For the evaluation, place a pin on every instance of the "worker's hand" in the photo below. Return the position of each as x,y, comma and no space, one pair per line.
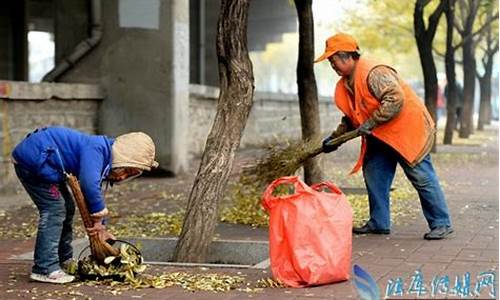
329,148
106,235
97,228
366,128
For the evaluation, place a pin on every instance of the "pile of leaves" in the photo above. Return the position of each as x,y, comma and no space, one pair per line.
244,206
192,282
127,269
270,283
125,266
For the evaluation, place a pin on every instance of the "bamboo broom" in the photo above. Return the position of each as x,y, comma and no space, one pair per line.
285,161
99,248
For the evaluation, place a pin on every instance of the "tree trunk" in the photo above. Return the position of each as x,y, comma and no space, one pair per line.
469,68
233,108
485,80
306,82
451,97
424,38
485,89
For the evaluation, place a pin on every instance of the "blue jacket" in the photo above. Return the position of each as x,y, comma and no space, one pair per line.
46,152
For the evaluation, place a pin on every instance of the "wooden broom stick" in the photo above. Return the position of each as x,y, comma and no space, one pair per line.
99,248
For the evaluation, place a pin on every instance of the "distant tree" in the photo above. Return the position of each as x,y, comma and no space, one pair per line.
424,37
467,27
233,107
391,42
306,82
451,97
489,49
468,12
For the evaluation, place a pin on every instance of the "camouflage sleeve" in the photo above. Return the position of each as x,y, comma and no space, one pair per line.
384,84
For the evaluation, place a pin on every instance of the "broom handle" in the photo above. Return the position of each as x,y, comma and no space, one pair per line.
337,141
80,200
99,249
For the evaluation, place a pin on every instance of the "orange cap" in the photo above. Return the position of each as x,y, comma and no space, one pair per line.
336,43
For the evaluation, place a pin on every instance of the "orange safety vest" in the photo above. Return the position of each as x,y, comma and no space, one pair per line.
410,133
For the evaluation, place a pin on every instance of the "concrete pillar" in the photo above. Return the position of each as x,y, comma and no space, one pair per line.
178,38
6,65
142,62
19,40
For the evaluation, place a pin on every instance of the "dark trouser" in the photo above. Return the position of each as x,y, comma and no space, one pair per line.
379,167
55,232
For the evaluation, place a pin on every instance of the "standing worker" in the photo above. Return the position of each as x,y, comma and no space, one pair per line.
395,127
40,161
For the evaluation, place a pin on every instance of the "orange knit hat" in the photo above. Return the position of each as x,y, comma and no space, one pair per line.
336,43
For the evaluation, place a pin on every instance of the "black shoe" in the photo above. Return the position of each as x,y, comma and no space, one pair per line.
367,229
438,233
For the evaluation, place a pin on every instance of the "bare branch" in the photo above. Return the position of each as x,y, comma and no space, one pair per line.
480,31
437,52
460,26
434,18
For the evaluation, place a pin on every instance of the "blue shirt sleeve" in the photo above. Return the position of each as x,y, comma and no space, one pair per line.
91,166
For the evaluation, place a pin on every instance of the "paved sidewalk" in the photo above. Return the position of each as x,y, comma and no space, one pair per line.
472,194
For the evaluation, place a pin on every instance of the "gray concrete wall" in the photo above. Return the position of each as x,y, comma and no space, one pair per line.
273,117
143,64
27,106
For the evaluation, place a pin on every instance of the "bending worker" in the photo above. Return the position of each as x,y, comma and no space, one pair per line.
395,127
40,161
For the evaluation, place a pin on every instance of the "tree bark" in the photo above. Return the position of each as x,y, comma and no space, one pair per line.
306,82
469,69
485,89
424,37
491,42
451,98
469,65
233,108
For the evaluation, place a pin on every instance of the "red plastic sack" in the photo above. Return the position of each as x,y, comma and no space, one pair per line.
310,233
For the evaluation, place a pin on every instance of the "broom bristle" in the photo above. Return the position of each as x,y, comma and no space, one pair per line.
280,162
100,249
285,161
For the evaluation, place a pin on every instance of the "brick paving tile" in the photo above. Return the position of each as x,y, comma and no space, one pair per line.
472,255
397,253
482,239
490,255
441,258
434,267
487,266
385,261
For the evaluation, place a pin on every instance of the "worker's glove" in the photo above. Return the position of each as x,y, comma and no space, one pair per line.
327,148
366,127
